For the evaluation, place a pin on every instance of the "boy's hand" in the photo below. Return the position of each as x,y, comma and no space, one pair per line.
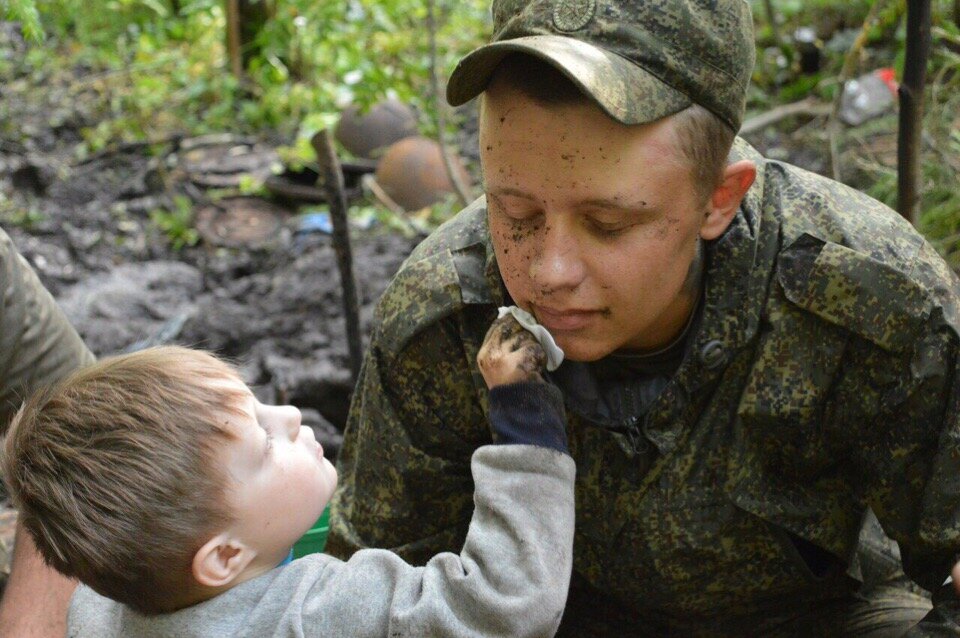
510,354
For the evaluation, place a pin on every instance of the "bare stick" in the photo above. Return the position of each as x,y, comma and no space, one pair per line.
369,181
331,180
233,38
911,109
461,189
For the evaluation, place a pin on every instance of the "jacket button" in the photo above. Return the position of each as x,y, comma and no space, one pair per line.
713,354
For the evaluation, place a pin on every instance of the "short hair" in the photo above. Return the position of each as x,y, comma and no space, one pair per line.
114,472
702,137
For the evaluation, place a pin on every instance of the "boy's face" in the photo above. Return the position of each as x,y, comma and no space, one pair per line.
279,481
595,224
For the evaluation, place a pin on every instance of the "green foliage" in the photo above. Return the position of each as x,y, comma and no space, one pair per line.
155,73
25,11
11,214
177,223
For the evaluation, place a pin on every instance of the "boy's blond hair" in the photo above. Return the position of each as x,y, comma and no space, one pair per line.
115,471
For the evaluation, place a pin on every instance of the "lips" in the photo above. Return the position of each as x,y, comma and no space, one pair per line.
556,320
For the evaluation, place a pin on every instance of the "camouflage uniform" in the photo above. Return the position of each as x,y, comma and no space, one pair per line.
821,381
37,344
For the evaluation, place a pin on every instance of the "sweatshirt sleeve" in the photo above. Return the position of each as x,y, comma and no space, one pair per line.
529,413
510,579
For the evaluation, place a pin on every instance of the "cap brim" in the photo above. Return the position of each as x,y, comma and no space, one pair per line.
627,92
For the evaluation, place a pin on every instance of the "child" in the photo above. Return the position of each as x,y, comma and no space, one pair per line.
161,483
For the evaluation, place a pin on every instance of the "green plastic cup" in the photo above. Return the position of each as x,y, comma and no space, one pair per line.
315,539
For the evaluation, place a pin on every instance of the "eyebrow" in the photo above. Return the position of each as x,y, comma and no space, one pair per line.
610,203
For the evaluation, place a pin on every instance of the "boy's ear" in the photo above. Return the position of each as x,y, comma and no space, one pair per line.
725,199
221,560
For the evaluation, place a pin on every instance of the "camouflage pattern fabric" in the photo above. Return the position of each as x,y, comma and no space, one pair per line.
639,61
37,343
822,382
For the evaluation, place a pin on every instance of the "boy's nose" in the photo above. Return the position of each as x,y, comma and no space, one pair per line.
292,419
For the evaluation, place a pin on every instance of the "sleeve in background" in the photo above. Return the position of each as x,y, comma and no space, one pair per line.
37,344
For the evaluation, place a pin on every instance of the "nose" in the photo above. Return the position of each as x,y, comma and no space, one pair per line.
558,264
291,419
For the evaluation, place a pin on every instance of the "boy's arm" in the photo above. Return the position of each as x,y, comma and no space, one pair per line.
512,575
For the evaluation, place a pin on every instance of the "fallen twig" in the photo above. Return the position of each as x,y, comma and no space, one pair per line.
127,147
370,183
808,106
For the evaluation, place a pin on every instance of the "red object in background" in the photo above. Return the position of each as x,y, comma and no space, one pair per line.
868,96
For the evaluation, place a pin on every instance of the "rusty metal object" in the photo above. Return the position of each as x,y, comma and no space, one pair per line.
237,222
412,173
364,134
223,161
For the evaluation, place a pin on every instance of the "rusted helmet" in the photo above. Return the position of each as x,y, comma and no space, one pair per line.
412,173
385,123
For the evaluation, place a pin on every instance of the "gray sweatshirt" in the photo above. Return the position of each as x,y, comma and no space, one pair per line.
510,579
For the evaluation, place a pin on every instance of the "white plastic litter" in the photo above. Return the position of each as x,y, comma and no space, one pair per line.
525,319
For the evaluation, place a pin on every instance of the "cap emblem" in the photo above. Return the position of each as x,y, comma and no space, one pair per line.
573,15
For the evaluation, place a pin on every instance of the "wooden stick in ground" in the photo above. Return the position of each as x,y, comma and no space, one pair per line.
233,38
911,109
331,180
459,187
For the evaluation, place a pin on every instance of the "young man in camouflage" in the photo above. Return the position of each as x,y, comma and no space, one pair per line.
761,363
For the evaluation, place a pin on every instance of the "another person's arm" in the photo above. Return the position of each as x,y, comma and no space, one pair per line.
37,346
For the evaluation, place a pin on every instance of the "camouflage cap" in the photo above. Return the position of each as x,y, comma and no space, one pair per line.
638,60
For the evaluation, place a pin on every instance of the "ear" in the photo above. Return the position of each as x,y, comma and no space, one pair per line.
220,561
725,199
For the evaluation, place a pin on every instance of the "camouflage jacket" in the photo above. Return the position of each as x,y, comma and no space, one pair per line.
37,344
822,380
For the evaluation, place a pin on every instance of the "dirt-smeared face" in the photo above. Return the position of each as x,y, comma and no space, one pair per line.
595,224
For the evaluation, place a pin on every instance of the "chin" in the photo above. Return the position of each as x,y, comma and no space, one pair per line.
584,352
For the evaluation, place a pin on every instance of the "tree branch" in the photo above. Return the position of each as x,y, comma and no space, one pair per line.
463,193
911,109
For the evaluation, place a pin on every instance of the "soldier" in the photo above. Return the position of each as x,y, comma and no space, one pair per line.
37,347
761,374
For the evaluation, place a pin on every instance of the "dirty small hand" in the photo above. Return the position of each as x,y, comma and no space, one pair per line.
510,354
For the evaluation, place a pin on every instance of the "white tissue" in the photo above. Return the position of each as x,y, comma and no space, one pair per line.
525,319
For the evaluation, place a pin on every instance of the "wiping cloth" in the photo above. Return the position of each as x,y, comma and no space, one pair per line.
525,319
